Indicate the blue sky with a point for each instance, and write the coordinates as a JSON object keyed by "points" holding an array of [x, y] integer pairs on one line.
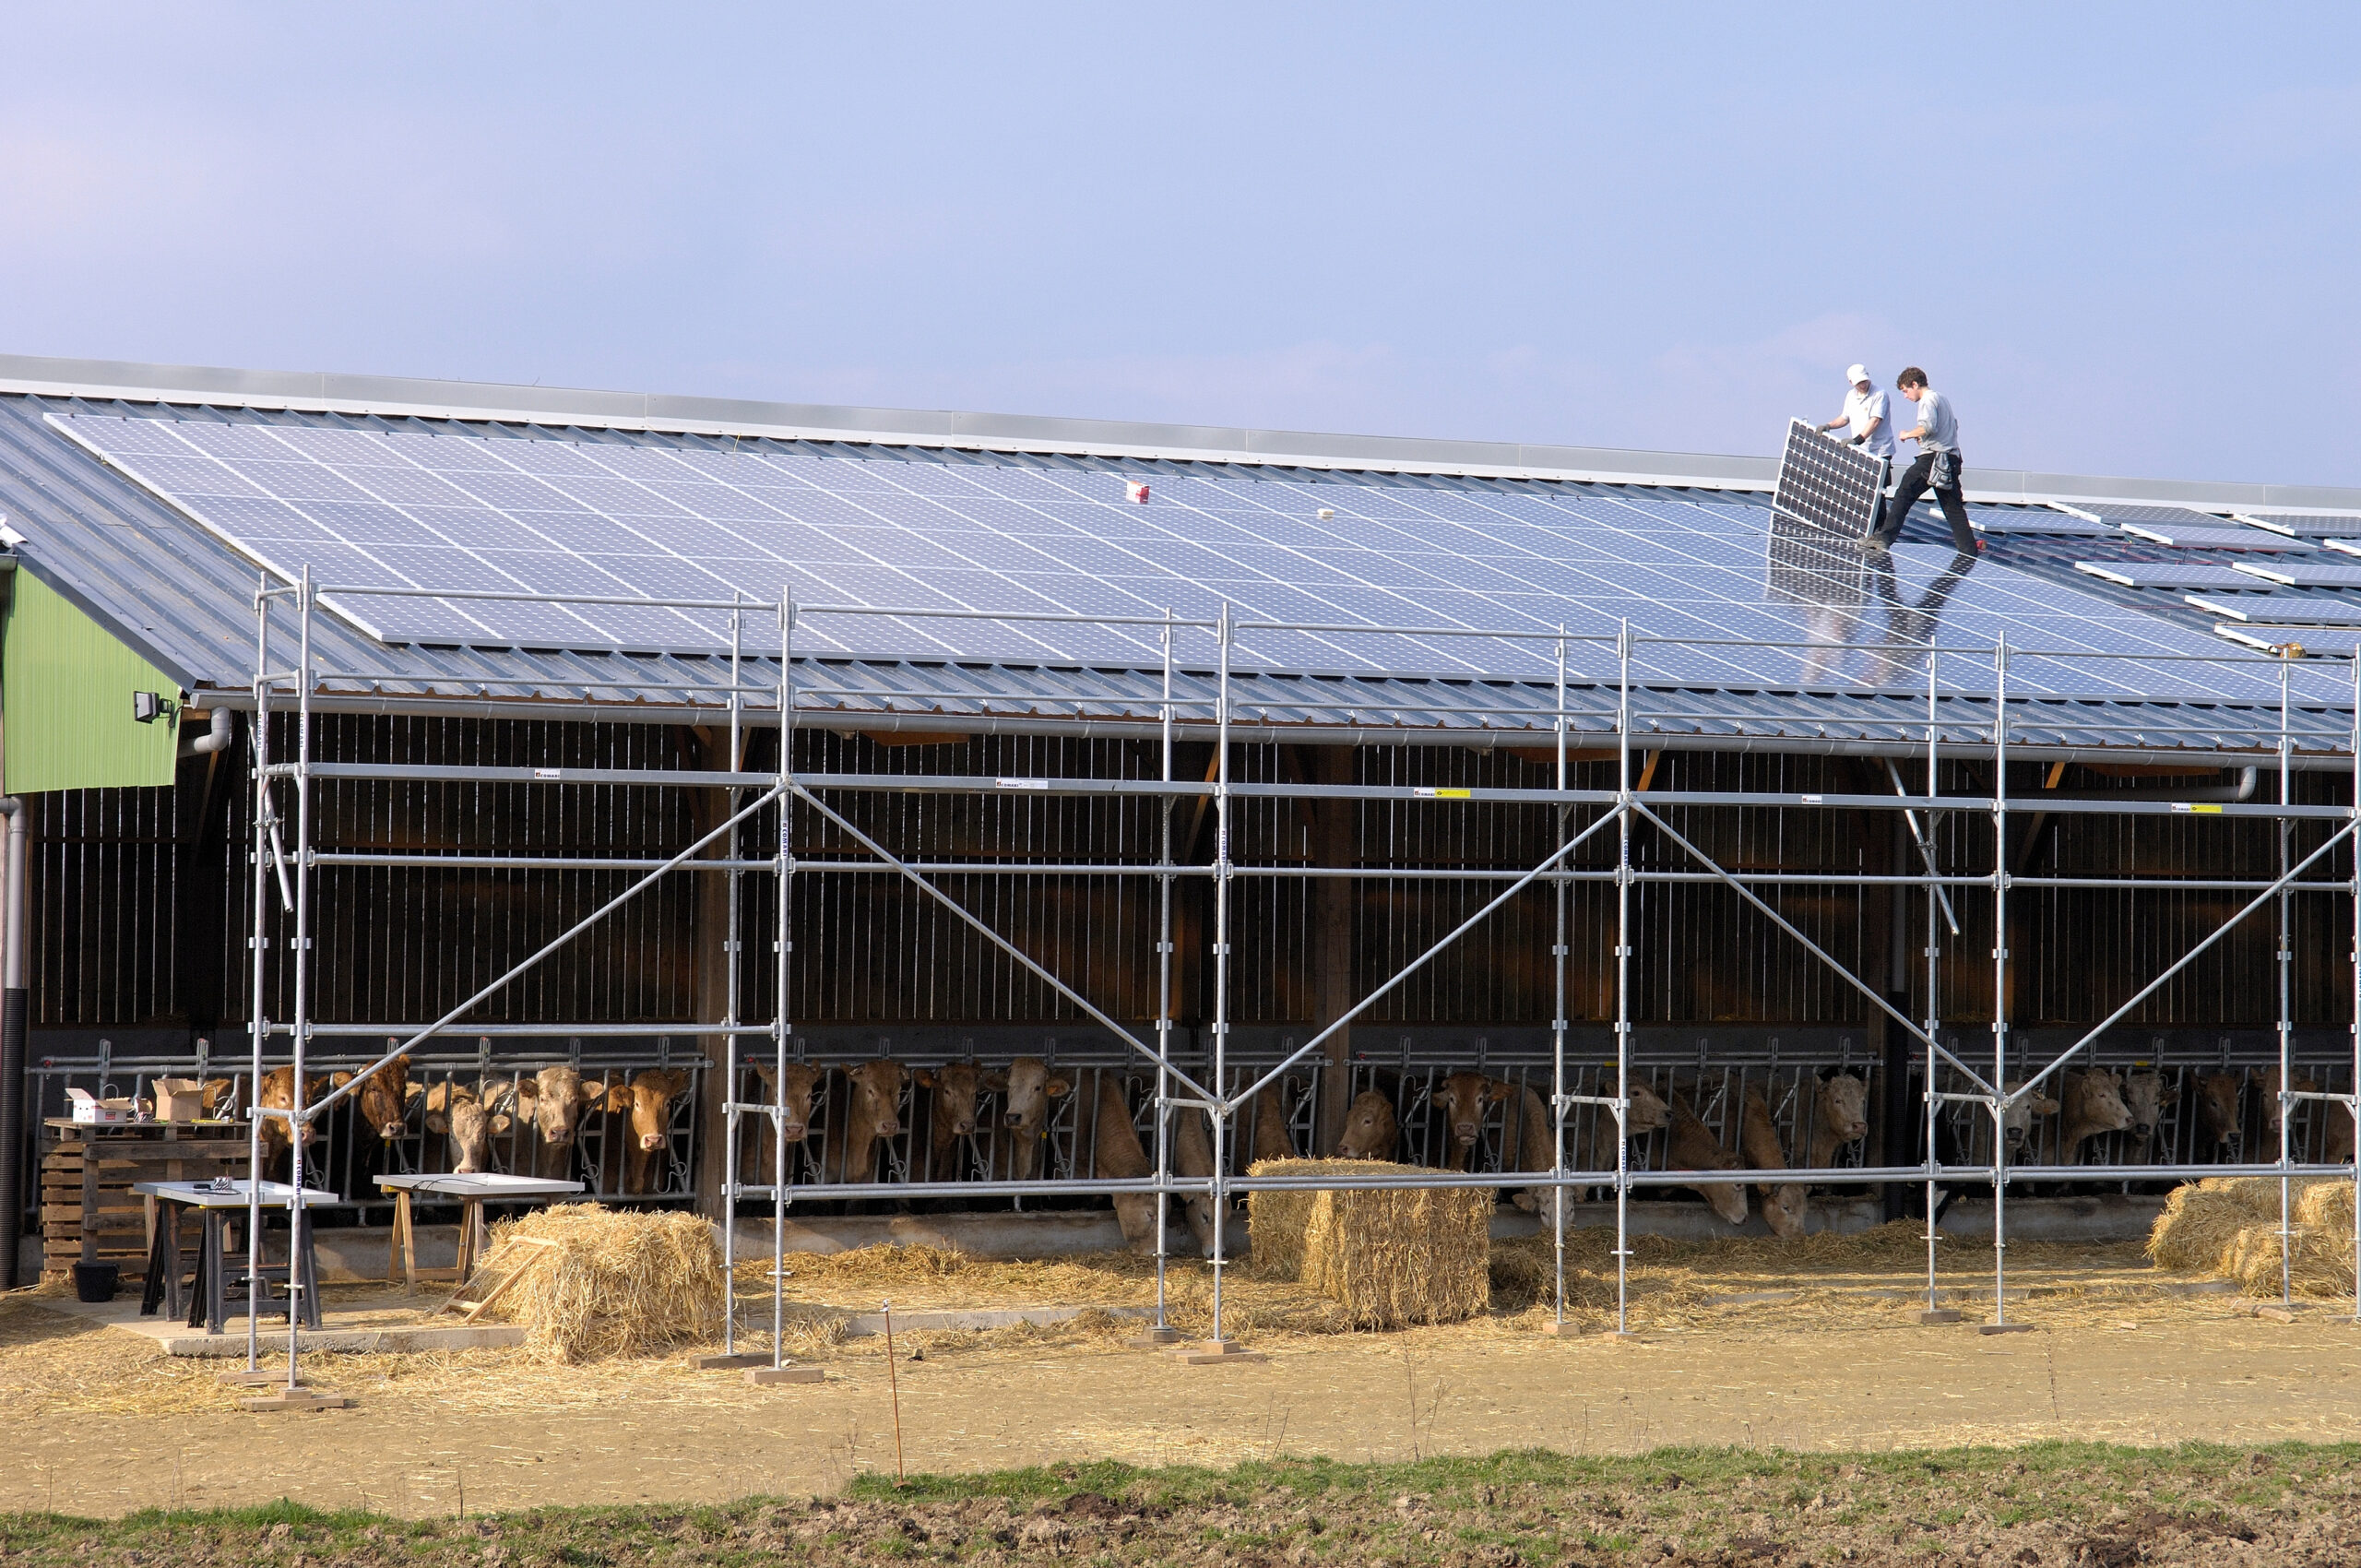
{"points": [[2123, 238]]}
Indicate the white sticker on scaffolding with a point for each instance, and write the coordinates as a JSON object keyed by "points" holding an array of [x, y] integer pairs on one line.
{"points": [[549, 773], [1022, 783]]}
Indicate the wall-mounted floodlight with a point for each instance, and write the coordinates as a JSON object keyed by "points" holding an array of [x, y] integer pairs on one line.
{"points": [[146, 707]]}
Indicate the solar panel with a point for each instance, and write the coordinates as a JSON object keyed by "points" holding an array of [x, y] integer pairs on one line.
{"points": [[2304, 525], [2214, 538], [1717, 595], [2283, 612], [2303, 573], [2302, 640], [2171, 575], [2124, 514], [2034, 521], [1831, 484]]}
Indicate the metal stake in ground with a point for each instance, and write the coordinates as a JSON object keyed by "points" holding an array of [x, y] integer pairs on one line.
{"points": [[893, 1382]]}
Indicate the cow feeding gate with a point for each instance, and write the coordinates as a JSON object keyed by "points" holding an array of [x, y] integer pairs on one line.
{"points": [[1960, 721]]}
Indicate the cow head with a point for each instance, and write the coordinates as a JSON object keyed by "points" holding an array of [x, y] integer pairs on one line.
{"points": [[1463, 1098], [955, 1089], [1783, 1207], [1843, 1106], [2145, 1095], [1647, 1113], [2095, 1096], [1031, 1086], [647, 1100], [459, 1111], [875, 1090], [1371, 1131], [2266, 1080], [802, 1081], [2217, 1110], [558, 1098], [278, 1093], [384, 1099], [2016, 1121]]}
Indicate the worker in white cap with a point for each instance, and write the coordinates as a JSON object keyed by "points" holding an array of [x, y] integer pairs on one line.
{"points": [[1865, 411]]}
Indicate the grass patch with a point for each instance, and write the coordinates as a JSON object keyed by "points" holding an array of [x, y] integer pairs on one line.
{"points": [[2059, 1503]]}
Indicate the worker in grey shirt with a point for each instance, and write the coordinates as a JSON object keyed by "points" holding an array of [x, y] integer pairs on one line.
{"points": [[1937, 469], [1866, 414]]}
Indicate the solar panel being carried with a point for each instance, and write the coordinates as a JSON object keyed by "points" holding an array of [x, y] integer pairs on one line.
{"points": [[1831, 484], [1715, 597]]}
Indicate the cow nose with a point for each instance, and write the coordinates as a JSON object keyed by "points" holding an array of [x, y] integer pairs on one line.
{"points": [[1012, 1119], [961, 1129], [795, 1131], [889, 1128], [559, 1138], [651, 1142], [390, 1131], [2142, 1129]]}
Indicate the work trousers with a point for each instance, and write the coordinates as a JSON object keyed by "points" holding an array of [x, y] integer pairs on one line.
{"points": [[1914, 484]]}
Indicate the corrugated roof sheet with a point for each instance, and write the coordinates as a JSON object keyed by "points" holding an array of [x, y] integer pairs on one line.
{"points": [[185, 601]]}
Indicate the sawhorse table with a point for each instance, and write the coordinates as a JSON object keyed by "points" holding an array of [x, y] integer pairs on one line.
{"points": [[470, 1193], [220, 1202]]}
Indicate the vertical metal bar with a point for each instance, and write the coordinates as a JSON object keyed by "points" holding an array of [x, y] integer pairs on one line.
{"points": [[300, 956], [1623, 977], [783, 945], [1163, 987], [259, 940], [1221, 1083], [2287, 961], [1934, 893], [1557, 955], [733, 953], [1999, 976]]}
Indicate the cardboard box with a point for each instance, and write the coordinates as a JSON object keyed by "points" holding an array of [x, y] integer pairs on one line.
{"points": [[180, 1100], [89, 1110]]}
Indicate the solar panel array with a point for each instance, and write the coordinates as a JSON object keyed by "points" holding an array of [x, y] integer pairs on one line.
{"points": [[1831, 484], [2304, 525], [2172, 575], [1701, 580]]}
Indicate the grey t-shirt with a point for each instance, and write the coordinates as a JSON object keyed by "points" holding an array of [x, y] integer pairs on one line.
{"points": [[1941, 425]]}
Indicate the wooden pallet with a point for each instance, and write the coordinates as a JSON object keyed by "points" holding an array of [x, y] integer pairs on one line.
{"points": [[85, 1179]]}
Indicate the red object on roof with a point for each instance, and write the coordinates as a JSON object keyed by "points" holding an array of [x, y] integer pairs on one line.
{"points": [[1135, 489]]}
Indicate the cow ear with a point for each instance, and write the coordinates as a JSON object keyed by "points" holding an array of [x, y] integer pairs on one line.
{"points": [[413, 1093], [437, 1122], [401, 1061], [2170, 1093], [502, 1121], [2045, 1106], [590, 1094], [1497, 1090], [925, 1077], [2254, 1076], [1056, 1086], [996, 1082], [337, 1080]]}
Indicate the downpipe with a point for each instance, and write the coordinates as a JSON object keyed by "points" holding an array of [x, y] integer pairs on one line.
{"points": [[13, 1062]]}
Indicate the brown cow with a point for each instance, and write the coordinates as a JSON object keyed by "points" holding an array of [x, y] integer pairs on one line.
{"points": [[1192, 1154], [1465, 1099], [2218, 1121], [873, 1116], [1106, 1144], [647, 1101], [1840, 1115], [802, 1081], [2266, 1083], [552, 1101], [279, 1094], [1371, 1130], [1265, 1117], [952, 1107], [460, 1111], [1024, 1113], [1694, 1147], [1784, 1205], [2146, 1096], [383, 1098], [2094, 1105]]}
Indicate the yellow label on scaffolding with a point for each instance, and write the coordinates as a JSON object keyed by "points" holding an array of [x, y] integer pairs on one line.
{"points": [[1445, 794], [2199, 809]]}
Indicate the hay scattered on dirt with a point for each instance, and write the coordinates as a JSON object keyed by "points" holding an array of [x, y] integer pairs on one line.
{"points": [[597, 1282]]}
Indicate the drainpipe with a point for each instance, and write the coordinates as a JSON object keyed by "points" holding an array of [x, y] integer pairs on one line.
{"points": [[13, 999], [215, 739]]}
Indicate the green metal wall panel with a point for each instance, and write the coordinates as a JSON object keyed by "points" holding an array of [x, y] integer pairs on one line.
{"points": [[66, 687]]}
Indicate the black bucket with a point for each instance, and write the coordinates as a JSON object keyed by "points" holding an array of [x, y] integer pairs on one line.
{"points": [[96, 1281]]}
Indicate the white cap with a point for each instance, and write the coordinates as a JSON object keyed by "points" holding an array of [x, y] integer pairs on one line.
{"points": [[1855, 375]]}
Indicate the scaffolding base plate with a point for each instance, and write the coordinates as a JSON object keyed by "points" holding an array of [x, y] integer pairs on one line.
{"points": [[2004, 1328], [1562, 1330], [1208, 1352], [2276, 1313], [1155, 1338], [259, 1378], [1625, 1336], [1934, 1315], [734, 1361], [762, 1377], [300, 1399]]}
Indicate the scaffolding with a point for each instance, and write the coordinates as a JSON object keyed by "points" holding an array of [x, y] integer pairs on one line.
{"points": [[1968, 717]]}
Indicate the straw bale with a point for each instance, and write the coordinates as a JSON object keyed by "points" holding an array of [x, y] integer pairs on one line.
{"points": [[2320, 1260], [2202, 1221], [2328, 1206], [599, 1282], [1276, 1221], [1393, 1259]]}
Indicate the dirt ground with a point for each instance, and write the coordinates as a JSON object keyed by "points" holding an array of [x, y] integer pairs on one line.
{"points": [[1737, 1349]]}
